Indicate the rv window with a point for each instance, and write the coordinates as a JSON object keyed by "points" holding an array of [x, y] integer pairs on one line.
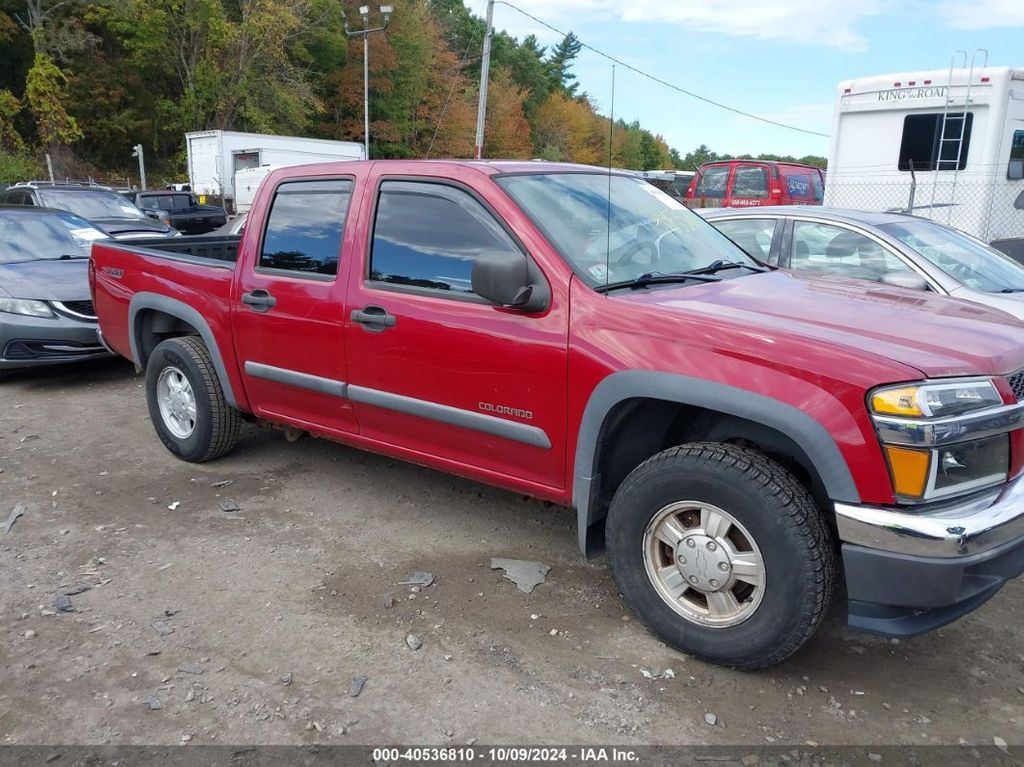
{"points": [[1015, 170], [929, 148]]}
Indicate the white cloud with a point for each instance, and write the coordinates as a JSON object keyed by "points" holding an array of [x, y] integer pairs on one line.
{"points": [[982, 14], [827, 23]]}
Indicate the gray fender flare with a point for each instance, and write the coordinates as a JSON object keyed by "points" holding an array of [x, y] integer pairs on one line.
{"points": [[185, 313], [805, 431]]}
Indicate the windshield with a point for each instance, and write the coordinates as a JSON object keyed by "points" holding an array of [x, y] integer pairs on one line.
{"points": [[648, 231], [90, 204], [963, 258], [32, 236]]}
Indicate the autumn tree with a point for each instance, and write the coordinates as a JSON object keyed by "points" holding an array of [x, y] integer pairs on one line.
{"points": [[507, 132]]}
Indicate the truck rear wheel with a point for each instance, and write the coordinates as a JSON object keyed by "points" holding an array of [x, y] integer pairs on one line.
{"points": [[722, 554], [186, 401]]}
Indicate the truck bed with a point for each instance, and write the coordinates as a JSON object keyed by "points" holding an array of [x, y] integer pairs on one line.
{"points": [[194, 247]]}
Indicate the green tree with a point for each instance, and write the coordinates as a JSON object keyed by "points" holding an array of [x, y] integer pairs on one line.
{"points": [[45, 90], [560, 63]]}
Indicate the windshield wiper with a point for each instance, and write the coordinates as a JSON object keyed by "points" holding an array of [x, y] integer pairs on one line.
{"points": [[70, 257], [656, 278], [720, 266], [1012, 290]]}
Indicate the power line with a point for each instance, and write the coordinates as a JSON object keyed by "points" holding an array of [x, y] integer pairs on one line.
{"points": [[451, 91], [667, 84]]}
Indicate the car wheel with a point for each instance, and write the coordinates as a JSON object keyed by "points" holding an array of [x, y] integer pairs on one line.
{"points": [[186, 401], [722, 554]]}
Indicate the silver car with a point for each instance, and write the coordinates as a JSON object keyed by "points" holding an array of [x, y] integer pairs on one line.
{"points": [[46, 312], [891, 248]]}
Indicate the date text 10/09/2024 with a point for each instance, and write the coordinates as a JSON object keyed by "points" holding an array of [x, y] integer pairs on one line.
{"points": [[500, 754]]}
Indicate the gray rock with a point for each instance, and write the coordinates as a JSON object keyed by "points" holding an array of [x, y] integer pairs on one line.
{"points": [[710, 718], [62, 603], [414, 642], [153, 703], [162, 628], [190, 668], [286, 679], [418, 579], [525, 574], [356, 687], [19, 510], [228, 505], [74, 588], [224, 483]]}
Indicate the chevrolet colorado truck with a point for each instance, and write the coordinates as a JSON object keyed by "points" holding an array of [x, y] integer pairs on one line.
{"points": [[739, 440]]}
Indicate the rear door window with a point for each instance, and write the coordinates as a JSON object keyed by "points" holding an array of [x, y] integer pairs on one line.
{"points": [[750, 182], [935, 141], [305, 227], [836, 251], [753, 235], [712, 182], [1015, 170]]}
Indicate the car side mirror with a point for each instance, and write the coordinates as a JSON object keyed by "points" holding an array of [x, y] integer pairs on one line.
{"points": [[152, 214], [504, 279], [908, 280]]}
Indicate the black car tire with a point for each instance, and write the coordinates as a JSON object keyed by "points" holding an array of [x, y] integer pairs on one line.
{"points": [[793, 542], [217, 424]]}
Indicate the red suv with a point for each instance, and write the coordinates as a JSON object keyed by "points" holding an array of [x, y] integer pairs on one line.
{"points": [[750, 183]]}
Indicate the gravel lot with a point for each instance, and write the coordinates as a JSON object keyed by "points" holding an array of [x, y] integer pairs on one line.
{"points": [[276, 607]]}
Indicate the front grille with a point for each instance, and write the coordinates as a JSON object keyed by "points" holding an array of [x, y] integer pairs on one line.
{"points": [[42, 350], [82, 309], [1017, 384]]}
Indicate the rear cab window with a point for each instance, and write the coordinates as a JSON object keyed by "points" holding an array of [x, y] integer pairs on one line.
{"points": [[305, 228], [802, 184]]}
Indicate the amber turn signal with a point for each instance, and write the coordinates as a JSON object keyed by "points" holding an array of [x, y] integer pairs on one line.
{"points": [[909, 470]]}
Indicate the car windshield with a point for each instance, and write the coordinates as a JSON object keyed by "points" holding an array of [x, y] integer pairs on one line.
{"points": [[642, 230], [90, 204], [962, 257], [32, 236]]}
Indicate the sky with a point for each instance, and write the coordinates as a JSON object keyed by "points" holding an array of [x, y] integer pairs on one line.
{"points": [[780, 59]]}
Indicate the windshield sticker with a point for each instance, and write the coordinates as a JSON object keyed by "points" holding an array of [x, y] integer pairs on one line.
{"points": [[599, 272], [87, 234], [667, 200]]}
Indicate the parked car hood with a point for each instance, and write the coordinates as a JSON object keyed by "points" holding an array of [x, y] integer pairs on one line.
{"points": [[128, 227], [48, 280], [1011, 303], [936, 335]]}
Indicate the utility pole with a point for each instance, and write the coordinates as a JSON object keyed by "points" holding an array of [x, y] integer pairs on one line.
{"points": [[137, 152], [485, 73], [364, 11]]}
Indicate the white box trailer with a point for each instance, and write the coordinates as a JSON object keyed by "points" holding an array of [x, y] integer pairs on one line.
{"points": [[945, 144], [247, 183], [215, 156]]}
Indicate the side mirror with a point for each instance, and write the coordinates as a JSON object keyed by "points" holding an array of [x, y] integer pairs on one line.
{"points": [[908, 280], [504, 279], [152, 214]]}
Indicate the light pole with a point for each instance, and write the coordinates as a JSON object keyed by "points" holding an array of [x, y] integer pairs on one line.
{"points": [[364, 11], [137, 152]]}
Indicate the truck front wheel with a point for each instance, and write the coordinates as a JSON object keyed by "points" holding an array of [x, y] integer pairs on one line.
{"points": [[722, 554], [186, 401]]}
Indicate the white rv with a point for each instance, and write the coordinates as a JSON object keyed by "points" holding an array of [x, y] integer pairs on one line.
{"points": [[945, 144], [214, 157]]}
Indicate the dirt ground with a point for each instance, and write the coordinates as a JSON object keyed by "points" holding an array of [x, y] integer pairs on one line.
{"points": [[276, 607]]}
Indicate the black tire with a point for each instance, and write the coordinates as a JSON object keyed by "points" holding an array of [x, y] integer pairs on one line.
{"points": [[217, 424], [795, 544]]}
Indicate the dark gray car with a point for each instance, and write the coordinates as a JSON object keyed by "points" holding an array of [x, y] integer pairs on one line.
{"points": [[46, 312], [104, 207], [892, 248]]}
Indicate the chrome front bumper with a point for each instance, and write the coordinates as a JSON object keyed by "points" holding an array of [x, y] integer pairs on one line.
{"points": [[980, 524]]}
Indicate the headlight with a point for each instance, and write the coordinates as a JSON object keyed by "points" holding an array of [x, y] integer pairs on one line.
{"points": [[936, 400], [927, 438], [25, 306]]}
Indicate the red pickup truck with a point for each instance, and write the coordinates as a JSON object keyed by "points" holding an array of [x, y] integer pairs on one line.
{"points": [[736, 438]]}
